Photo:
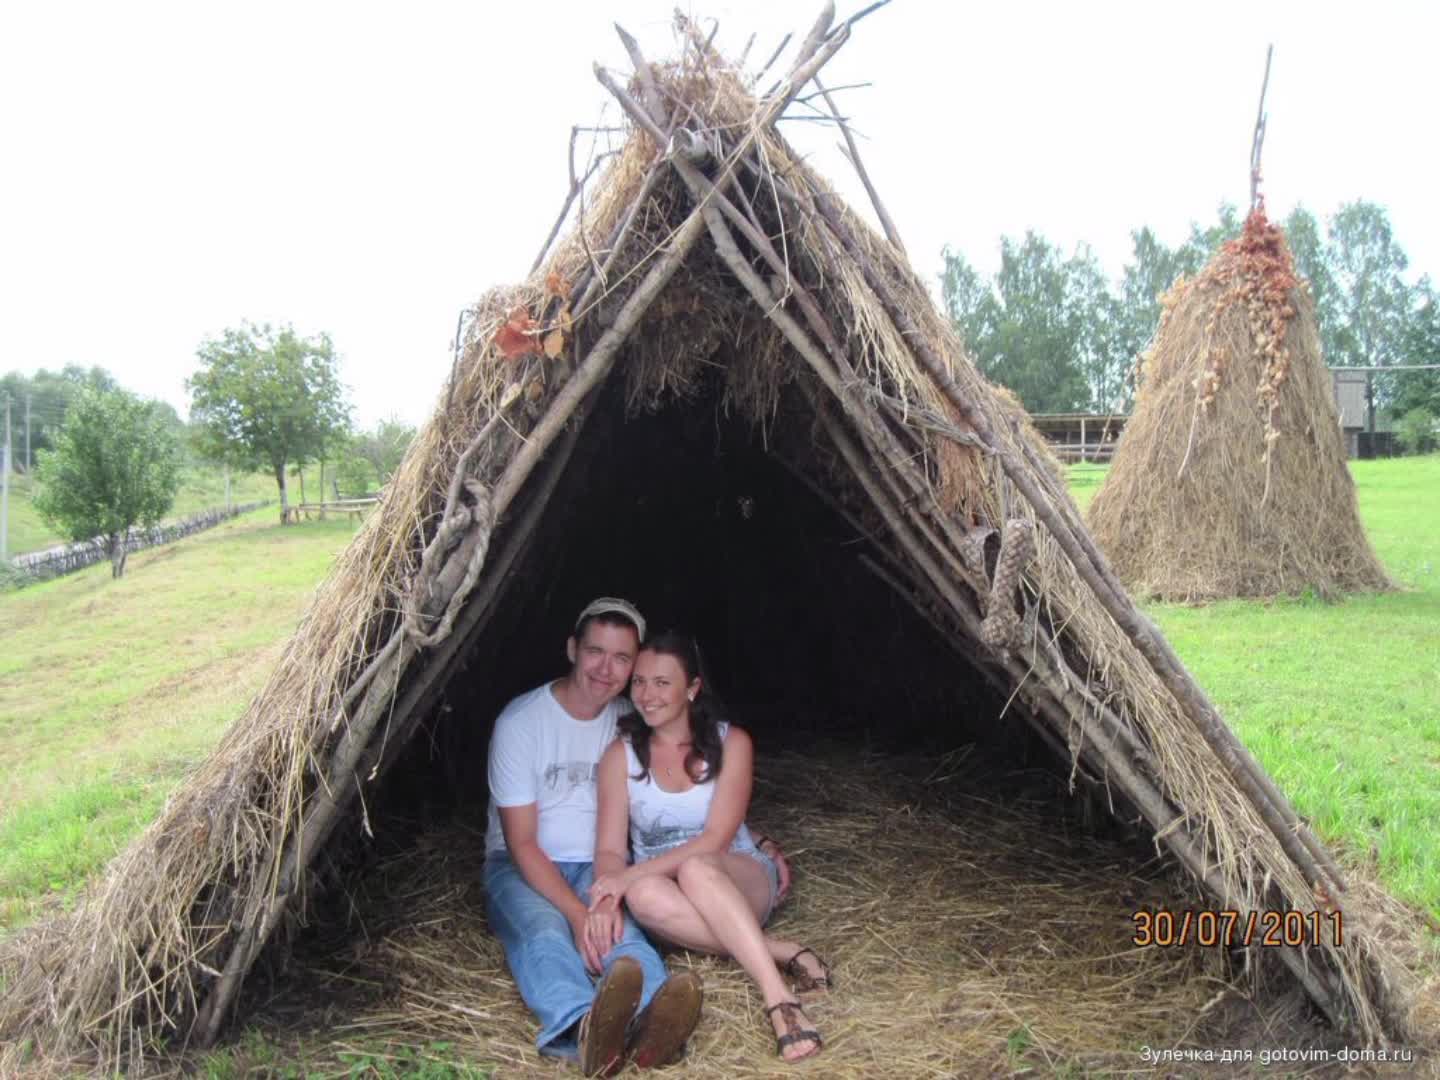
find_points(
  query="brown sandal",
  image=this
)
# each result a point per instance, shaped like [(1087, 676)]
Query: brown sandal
[(805, 982), (794, 1032)]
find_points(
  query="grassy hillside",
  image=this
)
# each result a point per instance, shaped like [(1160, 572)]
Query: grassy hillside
[(109, 691), (201, 488)]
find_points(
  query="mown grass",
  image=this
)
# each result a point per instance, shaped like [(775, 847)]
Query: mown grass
[(111, 690), (253, 1054), (1341, 701)]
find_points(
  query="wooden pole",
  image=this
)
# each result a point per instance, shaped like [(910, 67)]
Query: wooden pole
[(1161, 814), (1257, 143), (1273, 809), (447, 592)]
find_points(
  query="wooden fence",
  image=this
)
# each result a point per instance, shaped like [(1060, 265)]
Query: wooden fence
[(354, 507), (52, 562)]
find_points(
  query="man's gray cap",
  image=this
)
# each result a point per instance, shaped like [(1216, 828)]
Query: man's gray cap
[(613, 605)]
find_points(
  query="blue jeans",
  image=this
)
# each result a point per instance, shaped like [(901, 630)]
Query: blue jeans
[(541, 953)]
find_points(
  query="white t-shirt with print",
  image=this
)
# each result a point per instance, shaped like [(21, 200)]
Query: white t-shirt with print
[(541, 754)]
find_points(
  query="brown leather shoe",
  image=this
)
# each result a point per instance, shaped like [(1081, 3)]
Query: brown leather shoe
[(602, 1029), (663, 1026)]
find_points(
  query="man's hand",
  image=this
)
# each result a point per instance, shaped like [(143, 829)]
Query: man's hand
[(772, 848), (580, 931), (604, 926)]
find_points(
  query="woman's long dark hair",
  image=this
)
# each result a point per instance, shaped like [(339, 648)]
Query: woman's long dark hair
[(702, 763)]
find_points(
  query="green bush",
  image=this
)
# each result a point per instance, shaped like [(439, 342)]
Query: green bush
[(1417, 431)]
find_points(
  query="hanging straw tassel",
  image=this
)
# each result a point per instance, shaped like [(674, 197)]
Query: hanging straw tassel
[(1001, 628)]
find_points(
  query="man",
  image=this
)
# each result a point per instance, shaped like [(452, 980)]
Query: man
[(539, 853)]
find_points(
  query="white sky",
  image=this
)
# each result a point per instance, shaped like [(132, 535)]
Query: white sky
[(167, 170)]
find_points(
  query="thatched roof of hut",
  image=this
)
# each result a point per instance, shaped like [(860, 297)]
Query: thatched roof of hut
[(715, 299), (1230, 479)]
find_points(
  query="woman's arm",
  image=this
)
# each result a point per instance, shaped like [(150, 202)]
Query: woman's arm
[(727, 813), (605, 925), (612, 812)]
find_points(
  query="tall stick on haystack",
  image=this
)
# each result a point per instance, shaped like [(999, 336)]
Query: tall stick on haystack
[(1258, 142)]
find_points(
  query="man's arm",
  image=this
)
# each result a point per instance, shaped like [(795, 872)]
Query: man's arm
[(770, 846), (520, 825)]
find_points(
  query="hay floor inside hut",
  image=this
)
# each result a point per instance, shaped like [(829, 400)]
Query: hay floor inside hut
[(969, 936)]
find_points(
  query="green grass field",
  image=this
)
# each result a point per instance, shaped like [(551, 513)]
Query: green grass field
[(201, 488), (110, 691), (1341, 702)]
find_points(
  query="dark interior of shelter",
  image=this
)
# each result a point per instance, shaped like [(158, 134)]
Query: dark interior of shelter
[(690, 514)]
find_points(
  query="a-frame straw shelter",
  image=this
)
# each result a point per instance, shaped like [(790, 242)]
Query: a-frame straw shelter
[(712, 277)]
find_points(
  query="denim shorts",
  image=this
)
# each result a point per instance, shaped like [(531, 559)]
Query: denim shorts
[(772, 872)]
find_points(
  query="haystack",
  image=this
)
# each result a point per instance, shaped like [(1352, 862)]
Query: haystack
[(1230, 479), (727, 397)]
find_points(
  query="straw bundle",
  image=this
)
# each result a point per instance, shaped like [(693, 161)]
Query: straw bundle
[(1230, 479)]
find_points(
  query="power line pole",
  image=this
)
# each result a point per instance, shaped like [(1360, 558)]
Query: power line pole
[(28, 464), (5, 490)]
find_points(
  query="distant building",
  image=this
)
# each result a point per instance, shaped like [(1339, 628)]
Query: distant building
[(1351, 403), (1076, 436), (1349, 389), (1080, 436)]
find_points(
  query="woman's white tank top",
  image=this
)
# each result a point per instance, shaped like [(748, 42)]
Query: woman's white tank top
[(661, 820)]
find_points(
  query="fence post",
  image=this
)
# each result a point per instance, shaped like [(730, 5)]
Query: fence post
[(5, 490)]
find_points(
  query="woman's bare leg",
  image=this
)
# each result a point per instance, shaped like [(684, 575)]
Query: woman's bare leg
[(658, 904), (723, 889), (666, 912)]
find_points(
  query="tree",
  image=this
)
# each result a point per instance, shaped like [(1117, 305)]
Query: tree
[(1098, 319), (114, 465), (1419, 391), (49, 394), (267, 397), (1149, 274), (1371, 303), (1047, 327), (353, 474), (384, 447), (1203, 243), (1307, 245), (968, 299), (1035, 342)]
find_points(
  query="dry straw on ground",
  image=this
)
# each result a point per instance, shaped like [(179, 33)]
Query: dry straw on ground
[(708, 243), (974, 928), (1230, 478)]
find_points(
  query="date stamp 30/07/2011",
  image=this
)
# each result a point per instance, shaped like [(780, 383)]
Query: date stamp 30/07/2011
[(1237, 929)]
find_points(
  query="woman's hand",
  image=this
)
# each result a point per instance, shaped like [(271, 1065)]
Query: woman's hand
[(609, 887)]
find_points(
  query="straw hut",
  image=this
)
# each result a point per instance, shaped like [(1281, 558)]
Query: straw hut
[(726, 396), (1230, 479)]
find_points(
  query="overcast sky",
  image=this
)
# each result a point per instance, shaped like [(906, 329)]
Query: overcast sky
[(167, 170)]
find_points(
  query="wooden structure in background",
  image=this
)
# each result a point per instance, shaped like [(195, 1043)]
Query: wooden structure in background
[(1080, 436)]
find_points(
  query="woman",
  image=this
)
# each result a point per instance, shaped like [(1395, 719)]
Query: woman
[(678, 782)]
